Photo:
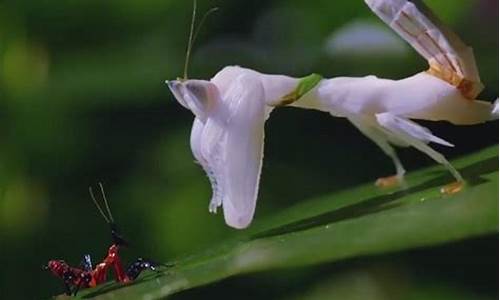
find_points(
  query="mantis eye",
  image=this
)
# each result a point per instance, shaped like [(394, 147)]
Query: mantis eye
[(177, 89), (199, 96)]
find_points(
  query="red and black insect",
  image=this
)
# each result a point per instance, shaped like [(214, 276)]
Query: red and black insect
[(86, 276)]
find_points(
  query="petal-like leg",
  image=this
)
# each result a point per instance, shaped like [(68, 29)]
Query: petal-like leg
[(196, 138), (211, 149), (418, 139), (243, 150), (370, 130)]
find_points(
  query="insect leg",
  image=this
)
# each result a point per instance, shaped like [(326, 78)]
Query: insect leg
[(417, 137), (77, 288), (68, 279), (84, 281), (67, 288), (100, 272), (372, 131)]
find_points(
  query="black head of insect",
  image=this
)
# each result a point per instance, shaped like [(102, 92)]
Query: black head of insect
[(115, 233), (195, 95)]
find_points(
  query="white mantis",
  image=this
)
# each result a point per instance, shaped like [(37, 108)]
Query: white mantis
[(230, 109)]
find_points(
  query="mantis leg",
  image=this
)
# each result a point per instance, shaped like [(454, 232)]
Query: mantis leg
[(372, 130), (417, 137)]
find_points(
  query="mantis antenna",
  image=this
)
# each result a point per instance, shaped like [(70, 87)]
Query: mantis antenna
[(109, 219), (194, 33)]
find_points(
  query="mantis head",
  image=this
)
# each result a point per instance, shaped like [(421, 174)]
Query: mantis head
[(196, 95), (227, 139), (227, 136), (199, 96)]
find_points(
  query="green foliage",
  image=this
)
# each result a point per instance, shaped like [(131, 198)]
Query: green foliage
[(356, 222)]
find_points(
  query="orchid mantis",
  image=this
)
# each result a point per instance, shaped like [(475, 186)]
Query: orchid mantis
[(227, 136)]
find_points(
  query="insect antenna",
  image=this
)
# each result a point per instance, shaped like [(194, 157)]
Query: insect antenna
[(115, 234), (106, 203), (98, 206), (194, 33)]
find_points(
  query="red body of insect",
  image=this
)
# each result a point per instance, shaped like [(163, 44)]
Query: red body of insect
[(73, 276), (90, 278), (86, 276), (112, 260)]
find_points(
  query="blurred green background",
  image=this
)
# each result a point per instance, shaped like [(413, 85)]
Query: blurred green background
[(83, 99)]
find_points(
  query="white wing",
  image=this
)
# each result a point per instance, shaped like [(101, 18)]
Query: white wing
[(449, 58), (243, 149)]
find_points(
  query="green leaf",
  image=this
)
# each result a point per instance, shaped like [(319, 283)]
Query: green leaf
[(355, 222)]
